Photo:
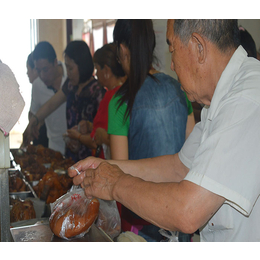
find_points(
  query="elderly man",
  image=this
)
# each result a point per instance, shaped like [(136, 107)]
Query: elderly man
[(213, 183)]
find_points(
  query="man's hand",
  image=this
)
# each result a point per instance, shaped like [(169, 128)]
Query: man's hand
[(35, 130), (96, 176), (30, 132), (100, 182), (81, 166)]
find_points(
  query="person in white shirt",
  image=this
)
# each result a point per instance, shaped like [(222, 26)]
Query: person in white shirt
[(52, 74), (32, 76), (213, 183)]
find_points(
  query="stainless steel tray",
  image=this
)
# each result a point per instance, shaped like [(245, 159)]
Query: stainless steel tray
[(38, 230), (25, 194)]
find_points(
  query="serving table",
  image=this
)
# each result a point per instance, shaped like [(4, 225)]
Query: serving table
[(38, 230), (32, 230)]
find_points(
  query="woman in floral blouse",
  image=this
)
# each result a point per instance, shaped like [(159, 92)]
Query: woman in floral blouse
[(82, 93)]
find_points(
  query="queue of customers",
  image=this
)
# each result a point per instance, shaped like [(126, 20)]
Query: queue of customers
[(79, 105), (126, 111)]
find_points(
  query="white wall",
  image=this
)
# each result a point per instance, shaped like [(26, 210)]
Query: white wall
[(54, 31), (77, 29), (162, 50)]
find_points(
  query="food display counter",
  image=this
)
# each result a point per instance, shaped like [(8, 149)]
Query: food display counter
[(38, 230), (34, 228)]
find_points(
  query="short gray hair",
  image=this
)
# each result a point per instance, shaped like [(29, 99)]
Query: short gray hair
[(223, 33)]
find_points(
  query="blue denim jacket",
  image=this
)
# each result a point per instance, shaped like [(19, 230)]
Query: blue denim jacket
[(157, 127), (158, 119)]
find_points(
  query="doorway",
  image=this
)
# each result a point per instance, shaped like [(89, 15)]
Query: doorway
[(17, 41)]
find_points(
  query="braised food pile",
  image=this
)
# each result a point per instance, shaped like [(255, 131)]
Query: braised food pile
[(52, 186), (21, 210), (39, 163), (16, 184), (33, 161)]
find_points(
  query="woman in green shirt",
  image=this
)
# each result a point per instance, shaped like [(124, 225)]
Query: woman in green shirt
[(118, 127)]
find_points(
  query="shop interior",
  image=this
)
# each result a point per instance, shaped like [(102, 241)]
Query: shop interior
[(96, 33)]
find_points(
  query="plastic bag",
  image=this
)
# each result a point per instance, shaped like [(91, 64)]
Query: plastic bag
[(129, 236), (108, 218), (171, 235), (84, 127), (74, 204), (72, 144), (73, 214)]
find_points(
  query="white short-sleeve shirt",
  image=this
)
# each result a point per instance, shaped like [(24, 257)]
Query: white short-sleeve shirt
[(223, 152), (56, 122)]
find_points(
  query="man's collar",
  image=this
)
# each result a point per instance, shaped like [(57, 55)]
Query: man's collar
[(226, 79)]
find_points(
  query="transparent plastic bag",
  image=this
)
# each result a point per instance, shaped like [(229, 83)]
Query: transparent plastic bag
[(70, 214), (73, 214), (84, 127), (109, 219), (72, 144), (172, 236), (130, 236)]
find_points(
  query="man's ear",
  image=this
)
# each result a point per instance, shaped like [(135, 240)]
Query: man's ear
[(200, 47)]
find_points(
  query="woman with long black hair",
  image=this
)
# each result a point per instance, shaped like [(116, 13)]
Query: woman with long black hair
[(148, 114)]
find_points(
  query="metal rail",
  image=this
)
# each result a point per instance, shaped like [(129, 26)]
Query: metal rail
[(4, 188)]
